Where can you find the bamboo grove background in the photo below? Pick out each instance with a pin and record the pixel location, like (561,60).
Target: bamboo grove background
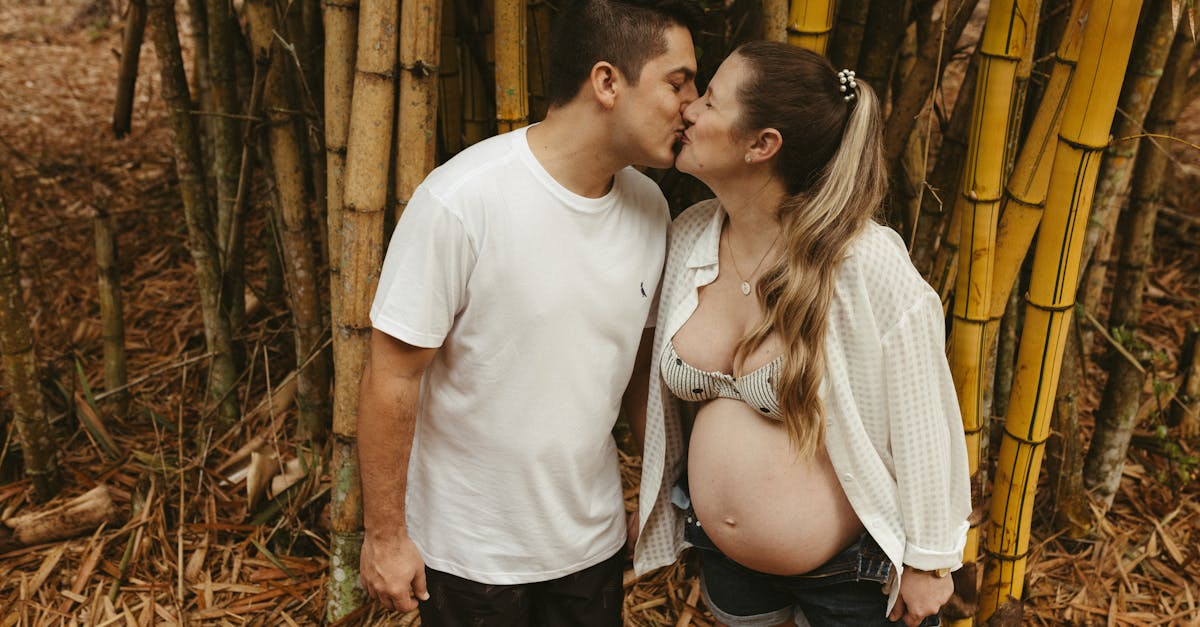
(1030,143)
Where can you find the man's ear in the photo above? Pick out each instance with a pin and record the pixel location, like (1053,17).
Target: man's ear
(603,81)
(767,144)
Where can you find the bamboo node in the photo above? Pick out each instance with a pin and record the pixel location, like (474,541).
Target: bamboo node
(421,69)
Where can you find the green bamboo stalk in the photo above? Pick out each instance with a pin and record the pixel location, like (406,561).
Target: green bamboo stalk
(112,319)
(131,47)
(227,151)
(1091,102)
(20,371)
(202,241)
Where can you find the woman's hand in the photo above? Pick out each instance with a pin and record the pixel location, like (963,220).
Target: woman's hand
(922,594)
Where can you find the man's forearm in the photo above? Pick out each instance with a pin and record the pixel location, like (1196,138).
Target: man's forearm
(387,410)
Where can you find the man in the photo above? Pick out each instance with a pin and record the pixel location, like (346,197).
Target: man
(509,311)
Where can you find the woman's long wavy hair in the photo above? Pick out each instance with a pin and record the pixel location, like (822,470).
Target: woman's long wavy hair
(831,160)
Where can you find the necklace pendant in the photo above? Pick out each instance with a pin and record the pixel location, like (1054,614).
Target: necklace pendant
(745,288)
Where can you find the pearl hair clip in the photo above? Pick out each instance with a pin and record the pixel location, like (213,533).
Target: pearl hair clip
(848,86)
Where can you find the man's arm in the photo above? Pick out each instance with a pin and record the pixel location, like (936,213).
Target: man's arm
(391,569)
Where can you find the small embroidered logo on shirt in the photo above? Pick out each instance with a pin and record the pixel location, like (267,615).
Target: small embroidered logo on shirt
(642,286)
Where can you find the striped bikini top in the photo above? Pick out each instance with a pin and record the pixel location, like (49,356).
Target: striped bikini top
(689,383)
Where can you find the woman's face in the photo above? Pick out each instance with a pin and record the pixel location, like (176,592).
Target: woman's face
(710,150)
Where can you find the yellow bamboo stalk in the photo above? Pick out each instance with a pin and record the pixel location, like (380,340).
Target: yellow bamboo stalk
(775,20)
(368,148)
(809,24)
(1025,193)
(416,112)
(1091,102)
(512,84)
(1000,52)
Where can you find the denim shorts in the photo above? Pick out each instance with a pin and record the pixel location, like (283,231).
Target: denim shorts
(846,590)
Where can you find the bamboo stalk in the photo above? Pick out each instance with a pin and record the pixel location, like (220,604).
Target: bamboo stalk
(886,23)
(848,35)
(367,151)
(512,83)
(1025,193)
(1064,449)
(932,56)
(1186,413)
(1091,101)
(906,143)
(1117,414)
(775,20)
(287,163)
(202,242)
(452,75)
(112,319)
(21,372)
(935,236)
(416,114)
(1151,48)
(1000,51)
(341,33)
(475,29)
(131,47)
(67,519)
(227,151)
(809,24)
(540,14)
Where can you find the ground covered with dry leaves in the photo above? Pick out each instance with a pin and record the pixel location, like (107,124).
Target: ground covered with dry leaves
(188,548)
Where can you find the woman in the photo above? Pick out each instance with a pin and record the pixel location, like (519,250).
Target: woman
(826,465)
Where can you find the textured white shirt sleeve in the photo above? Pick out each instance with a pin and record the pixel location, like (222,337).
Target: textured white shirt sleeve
(924,418)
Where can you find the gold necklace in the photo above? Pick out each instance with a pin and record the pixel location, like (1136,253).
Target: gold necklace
(746,282)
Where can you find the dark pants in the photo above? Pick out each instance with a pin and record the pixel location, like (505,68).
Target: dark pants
(589,598)
(846,590)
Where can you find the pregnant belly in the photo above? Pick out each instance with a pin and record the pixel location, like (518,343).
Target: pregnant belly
(761,505)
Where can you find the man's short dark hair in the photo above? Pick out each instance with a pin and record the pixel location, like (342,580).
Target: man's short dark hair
(626,33)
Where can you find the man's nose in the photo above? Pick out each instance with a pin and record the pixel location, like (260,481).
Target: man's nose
(689,95)
(689,111)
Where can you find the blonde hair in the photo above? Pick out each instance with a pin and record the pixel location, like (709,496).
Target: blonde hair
(832,198)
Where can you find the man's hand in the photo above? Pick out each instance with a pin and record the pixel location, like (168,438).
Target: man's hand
(921,595)
(392,572)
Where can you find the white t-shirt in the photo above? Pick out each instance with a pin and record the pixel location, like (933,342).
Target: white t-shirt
(537,298)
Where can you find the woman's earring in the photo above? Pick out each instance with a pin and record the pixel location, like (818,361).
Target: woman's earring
(749,159)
